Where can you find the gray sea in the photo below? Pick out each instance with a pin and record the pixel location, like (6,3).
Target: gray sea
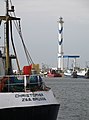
(73,96)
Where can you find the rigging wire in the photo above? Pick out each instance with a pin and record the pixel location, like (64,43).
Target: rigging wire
(14,47)
(18,27)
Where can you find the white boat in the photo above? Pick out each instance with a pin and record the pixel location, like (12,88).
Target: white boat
(81,73)
(68,73)
(22,96)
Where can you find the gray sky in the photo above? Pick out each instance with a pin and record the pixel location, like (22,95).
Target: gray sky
(40,28)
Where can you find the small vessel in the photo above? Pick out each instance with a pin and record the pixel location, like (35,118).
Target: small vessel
(23,95)
(74,74)
(68,73)
(81,73)
(87,73)
(54,73)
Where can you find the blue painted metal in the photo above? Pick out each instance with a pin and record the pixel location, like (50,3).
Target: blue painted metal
(71,56)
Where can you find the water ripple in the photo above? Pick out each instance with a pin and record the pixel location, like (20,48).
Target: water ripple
(73,96)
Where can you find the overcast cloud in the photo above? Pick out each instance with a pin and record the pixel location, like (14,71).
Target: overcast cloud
(39,25)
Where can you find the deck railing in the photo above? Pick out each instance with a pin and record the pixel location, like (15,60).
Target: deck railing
(20,83)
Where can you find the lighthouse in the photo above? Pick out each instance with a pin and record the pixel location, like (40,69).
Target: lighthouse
(60,43)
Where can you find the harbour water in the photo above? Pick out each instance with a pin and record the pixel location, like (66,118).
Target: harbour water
(73,96)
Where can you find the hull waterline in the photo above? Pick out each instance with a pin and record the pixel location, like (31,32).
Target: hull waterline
(45,112)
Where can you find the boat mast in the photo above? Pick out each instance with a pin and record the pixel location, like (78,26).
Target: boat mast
(8,18)
(7,40)
(9,23)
